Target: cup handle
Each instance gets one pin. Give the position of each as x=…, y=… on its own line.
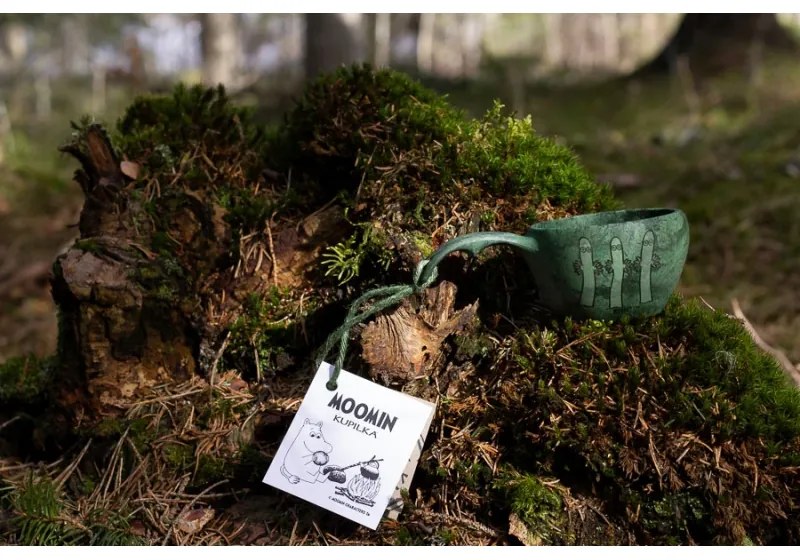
x=474, y=243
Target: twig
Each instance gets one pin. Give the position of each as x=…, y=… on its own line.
x=255, y=354
x=213, y=375
x=779, y=356
x=9, y=422
x=474, y=525
x=64, y=476
x=321, y=534
x=272, y=252
x=706, y=303
x=165, y=398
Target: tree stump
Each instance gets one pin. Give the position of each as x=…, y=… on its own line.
x=116, y=336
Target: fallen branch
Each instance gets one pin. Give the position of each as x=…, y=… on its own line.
x=779, y=356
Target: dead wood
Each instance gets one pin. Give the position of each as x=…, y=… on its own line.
x=407, y=343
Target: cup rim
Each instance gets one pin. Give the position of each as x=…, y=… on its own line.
x=610, y=218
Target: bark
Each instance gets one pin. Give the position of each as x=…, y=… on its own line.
x=332, y=40
x=132, y=316
x=715, y=42
x=221, y=49
x=115, y=338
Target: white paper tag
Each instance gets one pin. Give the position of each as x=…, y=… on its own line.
x=346, y=449
x=396, y=503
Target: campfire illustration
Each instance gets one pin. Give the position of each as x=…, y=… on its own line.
x=364, y=486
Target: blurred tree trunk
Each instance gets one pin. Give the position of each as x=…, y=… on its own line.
x=220, y=42
x=332, y=40
x=425, y=41
x=75, y=46
x=710, y=43
x=13, y=45
x=404, y=33
x=379, y=33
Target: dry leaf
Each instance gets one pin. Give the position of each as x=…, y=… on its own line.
x=238, y=385
x=138, y=528
x=129, y=169
x=194, y=520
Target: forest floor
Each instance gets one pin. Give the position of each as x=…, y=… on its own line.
x=724, y=150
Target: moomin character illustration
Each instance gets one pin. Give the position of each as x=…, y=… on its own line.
x=307, y=455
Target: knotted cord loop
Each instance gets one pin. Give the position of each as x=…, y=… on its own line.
x=390, y=295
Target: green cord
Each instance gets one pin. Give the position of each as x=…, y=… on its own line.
x=391, y=295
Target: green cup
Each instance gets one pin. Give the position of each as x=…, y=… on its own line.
x=595, y=266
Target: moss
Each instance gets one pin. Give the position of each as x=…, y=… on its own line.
x=471, y=346
x=676, y=514
x=163, y=279
x=156, y=129
x=422, y=243
x=179, y=457
x=321, y=135
x=211, y=469
x=263, y=329
x=661, y=420
x=540, y=507
x=25, y=379
x=109, y=427
x=89, y=246
x=194, y=133
x=248, y=465
x=244, y=466
x=444, y=537
x=472, y=475
x=701, y=392
x=87, y=484
x=393, y=142
x=139, y=431
x=404, y=537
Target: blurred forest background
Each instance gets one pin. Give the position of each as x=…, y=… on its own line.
x=696, y=111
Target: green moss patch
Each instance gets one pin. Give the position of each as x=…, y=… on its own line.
x=24, y=379
x=666, y=420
